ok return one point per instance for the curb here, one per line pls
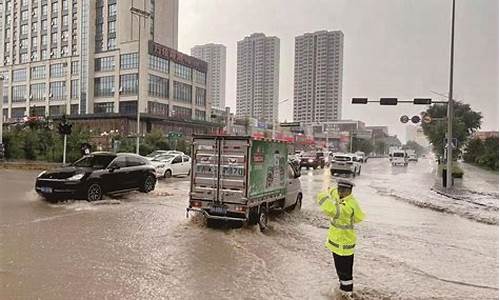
(29, 166)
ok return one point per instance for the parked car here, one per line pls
(97, 174)
(345, 164)
(312, 160)
(170, 165)
(157, 153)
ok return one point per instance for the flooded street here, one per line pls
(414, 244)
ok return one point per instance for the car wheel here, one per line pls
(189, 172)
(94, 192)
(167, 174)
(359, 171)
(263, 218)
(298, 203)
(149, 184)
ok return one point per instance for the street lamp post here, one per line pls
(141, 14)
(449, 146)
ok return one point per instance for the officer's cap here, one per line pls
(345, 183)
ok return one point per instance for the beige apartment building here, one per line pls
(318, 71)
(85, 57)
(215, 56)
(257, 86)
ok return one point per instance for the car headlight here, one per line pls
(160, 166)
(76, 177)
(39, 175)
(310, 160)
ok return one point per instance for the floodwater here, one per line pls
(141, 246)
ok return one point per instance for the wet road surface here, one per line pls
(141, 246)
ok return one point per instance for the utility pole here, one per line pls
(1, 111)
(274, 119)
(141, 14)
(449, 146)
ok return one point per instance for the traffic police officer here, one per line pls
(343, 210)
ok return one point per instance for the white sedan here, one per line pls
(172, 165)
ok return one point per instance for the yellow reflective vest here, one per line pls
(343, 214)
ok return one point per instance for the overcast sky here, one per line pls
(392, 48)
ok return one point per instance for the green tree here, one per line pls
(465, 122)
(473, 150)
(380, 147)
(359, 144)
(419, 150)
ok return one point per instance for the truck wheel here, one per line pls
(263, 218)
(253, 216)
(359, 171)
(353, 174)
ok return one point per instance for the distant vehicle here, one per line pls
(399, 157)
(169, 165)
(412, 155)
(97, 174)
(312, 160)
(156, 153)
(254, 178)
(345, 164)
(361, 156)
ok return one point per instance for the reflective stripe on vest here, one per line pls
(343, 246)
(343, 227)
(346, 282)
(322, 200)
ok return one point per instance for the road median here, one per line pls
(28, 165)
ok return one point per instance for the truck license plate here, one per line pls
(218, 210)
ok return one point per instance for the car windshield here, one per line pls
(163, 157)
(342, 158)
(309, 154)
(95, 162)
(398, 154)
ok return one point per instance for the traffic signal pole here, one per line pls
(64, 151)
(449, 146)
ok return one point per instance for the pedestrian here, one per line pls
(343, 210)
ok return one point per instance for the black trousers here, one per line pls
(343, 265)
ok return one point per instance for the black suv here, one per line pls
(97, 174)
(312, 160)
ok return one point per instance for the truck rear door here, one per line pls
(205, 159)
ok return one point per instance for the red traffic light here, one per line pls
(388, 101)
(415, 119)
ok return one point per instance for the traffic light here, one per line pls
(404, 119)
(422, 101)
(388, 101)
(65, 128)
(359, 100)
(415, 119)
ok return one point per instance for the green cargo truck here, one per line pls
(240, 178)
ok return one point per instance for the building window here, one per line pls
(55, 8)
(18, 112)
(158, 87)
(112, 10)
(200, 77)
(182, 92)
(200, 115)
(19, 93)
(45, 40)
(129, 84)
(200, 97)
(74, 109)
(158, 64)
(102, 108)
(37, 111)
(75, 66)
(156, 108)
(128, 107)
(57, 110)
(112, 44)
(112, 27)
(58, 90)
(182, 71)
(182, 112)
(19, 75)
(104, 86)
(57, 70)
(74, 89)
(105, 63)
(38, 92)
(129, 61)
(24, 29)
